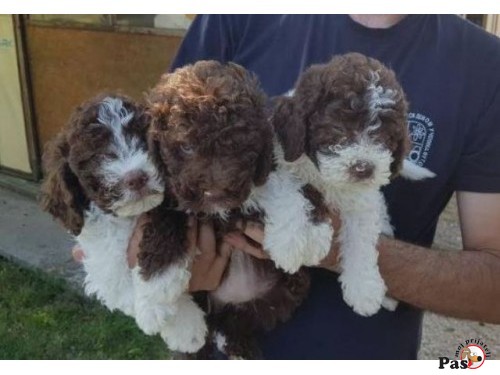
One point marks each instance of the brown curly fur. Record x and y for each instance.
(210, 133)
(164, 240)
(330, 102)
(72, 159)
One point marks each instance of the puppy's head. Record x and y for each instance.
(210, 137)
(349, 118)
(101, 157)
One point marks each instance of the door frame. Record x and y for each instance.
(27, 104)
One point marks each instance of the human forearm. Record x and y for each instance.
(463, 284)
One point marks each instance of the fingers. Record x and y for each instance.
(135, 241)
(220, 262)
(331, 261)
(239, 242)
(192, 235)
(253, 230)
(206, 240)
(78, 253)
(207, 270)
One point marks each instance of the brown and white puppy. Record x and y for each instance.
(98, 180)
(212, 142)
(344, 131)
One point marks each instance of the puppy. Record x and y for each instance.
(98, 180)
(213, 145)
(344, 131)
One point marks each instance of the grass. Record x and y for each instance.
(42, 318)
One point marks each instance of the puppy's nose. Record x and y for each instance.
(136, 180)
(362, 169)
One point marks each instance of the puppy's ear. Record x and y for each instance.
(164, 240)
(155, 153)
(61, 193)
(402, 149)
(266, 159)
(290, 128)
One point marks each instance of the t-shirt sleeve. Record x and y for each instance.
(210, 37)
(479, 165)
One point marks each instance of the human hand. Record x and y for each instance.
(209, 261)
(251, 237)
(209, 258)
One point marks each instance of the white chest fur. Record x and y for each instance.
(104, 239)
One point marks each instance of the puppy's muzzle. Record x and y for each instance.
(136, 180)
(362, 170)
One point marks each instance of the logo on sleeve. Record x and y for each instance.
(421, 130)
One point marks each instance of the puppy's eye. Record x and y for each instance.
(187, 149)
(333, 150)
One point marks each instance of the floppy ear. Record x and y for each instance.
(154, 150)
(400, 153)
(290, 128)
(266, 159)
(61, 193)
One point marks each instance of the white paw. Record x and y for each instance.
(364, 294)
(288, 261)
(389, 304)
(186, 331)
(319, 243)
(151, 319)
(125, 306)
(286, 250)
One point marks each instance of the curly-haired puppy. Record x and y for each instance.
(344, 131)
(98, 180)
(213, 144)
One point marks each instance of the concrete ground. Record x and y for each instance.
(30, 237)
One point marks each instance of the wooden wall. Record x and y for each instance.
(69, 66)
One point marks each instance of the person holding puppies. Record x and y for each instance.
(448, 69)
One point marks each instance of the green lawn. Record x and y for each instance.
(42, 318)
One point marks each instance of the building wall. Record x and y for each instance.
(13, 144)
(70, 65)
(493, 24)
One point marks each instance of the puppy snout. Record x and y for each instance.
(362, 169)
(136, 180)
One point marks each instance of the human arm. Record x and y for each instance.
(463, 284)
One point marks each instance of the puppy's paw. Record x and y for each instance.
(362, 292)
(319, 243)
(288, 261)
(124, 304)
(151, 318)
(287, 249)
(389, 304)
(185, 331)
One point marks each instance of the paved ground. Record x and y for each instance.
(30, 237)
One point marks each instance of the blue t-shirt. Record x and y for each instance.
(449, 69)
